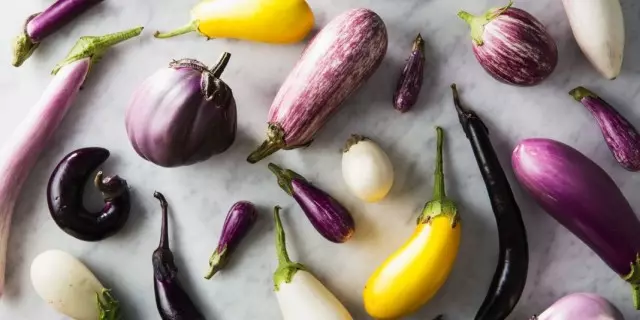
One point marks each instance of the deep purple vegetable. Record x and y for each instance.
(65, 193)
(40, 25)
(241, 217)
(512, 45)
(621, 137)
(172, 301)
(410, 81)
(332, 220)
(183, 114)
(583, 198)
(340, 58)
(22, 150)
(581, 306)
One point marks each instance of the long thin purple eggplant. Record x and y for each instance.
(40, 25)
(241, 217)
(621, 137)
(410, 82)
(332, 220)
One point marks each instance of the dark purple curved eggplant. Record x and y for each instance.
(172, 301)
(241, 217)
(332, 220)
(65, 195)
(410, 81)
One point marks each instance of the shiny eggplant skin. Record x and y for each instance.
(65, 193)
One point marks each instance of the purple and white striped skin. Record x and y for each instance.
(512, 45)
(410, 81)
(330, 218)
(22, 151)
(183, 114)
(41, 25)
(584, 199)
(581, 306)
(341, 57)
(621, 136)
(241, 217)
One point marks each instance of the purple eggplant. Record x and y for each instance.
(40, 25)
(241, 217)
(621, 137)
(583, 198)
(172, 300)
(410, 82)
(332, 220)
(183, 114)
(581, 306)
(512, 45)
(65, 193)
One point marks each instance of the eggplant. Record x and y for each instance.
(65, 192)
(584, 199)
(621, 136)
(581, 306)
(330, 218)
(241, 217)
(410, 81)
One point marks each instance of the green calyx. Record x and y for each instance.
(275, 141)
(286, 268)
(216, 262)
(477, 23)
(352, 141)
(108, 306)
(285, 176)
(192, 26)
(23, 46)
(580, 93)
(439, 205)
(94, 47)
(633, 278)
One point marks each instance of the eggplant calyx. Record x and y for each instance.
(285, 177)
(275, 141)
(352, 141)
(111, 187)
(477, 23)
(580, 93)
(23, 45)
(216, 262)
(418, 45)
(108, 306)
(210, 83)
(286, 268)
(193, 26)
(633, 278)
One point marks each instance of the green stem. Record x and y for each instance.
(191, 27)
(439, 192)
(636, 296)
(477, 23)
(633, 278)
(108, 306)
(275, 141)
(466, 16)
(216, 262)
(580, 93)
(285, 177)
(286, 268)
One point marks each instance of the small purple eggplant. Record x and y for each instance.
(581, 306)
(410, 82)
(621, 137)
(40, 25)
(332, 220)
(241, 217)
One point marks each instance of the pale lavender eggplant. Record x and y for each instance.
(621, 136)
(41, 25)
(341, 57)
(581, 306)
(584, 199)
(241, 217)
(330, 218)
(410, 81)
(512, 45)
(183, 114)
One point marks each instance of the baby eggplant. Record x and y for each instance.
(66, 189)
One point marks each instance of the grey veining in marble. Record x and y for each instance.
(200, 195)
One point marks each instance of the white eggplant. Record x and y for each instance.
(598, 26)
(366, 169)
(300, 294)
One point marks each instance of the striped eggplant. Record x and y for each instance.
(341, 57)
(410, 81)
(512, 45)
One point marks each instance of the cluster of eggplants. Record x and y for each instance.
(621, 136)
(183, 114)
(583, 198)
(512, 45)
(410, 81)
(581, 306)
(330, 218)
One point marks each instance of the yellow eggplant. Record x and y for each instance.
(272, 21)
(411, 276)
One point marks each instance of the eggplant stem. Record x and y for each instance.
(108, 306)
(286, 268)
(580, 93)
(275, 141)
(439, 192)
(164, 232)
(418, 44)
(352, 141)
(23, 45)
(633, 278)
(636, 296)
(191, 27)
(216, 262)
(218, 69)
(477, 23)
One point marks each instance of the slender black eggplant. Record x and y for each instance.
(172, 301)
(513, 260)
(65, 193)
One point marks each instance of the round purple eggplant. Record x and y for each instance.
(332, 220)
(581, 306)
(410, 81)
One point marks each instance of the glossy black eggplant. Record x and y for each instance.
(513, 260)
(172, 301)
(65, 193)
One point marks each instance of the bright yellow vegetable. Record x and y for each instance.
(272, 21)
(411, 276)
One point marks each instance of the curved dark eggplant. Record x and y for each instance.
(65, 193)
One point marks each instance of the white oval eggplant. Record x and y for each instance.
(366, 169)
(598, 26)
(70, 287)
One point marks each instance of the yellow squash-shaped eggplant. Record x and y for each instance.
(271, 21)
(411, 276)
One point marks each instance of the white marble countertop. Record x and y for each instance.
(200, 195)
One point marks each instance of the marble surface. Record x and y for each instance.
(200, 195)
